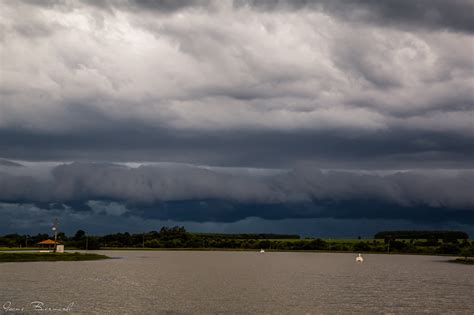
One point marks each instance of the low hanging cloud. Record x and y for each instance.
(195, 193)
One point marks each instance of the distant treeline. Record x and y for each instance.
(167, 237)
(247, 236)
(427, 235)
(178, 237)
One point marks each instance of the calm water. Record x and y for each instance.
(186, 282)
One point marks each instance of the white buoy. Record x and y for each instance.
(359, 258)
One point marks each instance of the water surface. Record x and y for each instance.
(197, 282)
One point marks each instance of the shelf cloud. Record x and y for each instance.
(207, 194)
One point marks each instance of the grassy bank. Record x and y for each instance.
(25, 257)
(17, 248)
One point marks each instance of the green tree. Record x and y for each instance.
(466, 252)
(361, 246)
(79, 235)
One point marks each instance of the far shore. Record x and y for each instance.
(32, 254)
(268, 250)
(258, 250)
(79, 250)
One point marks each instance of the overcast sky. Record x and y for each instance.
(335, 118)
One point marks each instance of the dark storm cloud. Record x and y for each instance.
(39, 221)
(225, 211)
(251, 83)
(392, 150)
(202, 194)
(431, 14)
(294, 85)
(166, 6)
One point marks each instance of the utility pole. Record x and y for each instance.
(87, 242)
(143, 245)
(55, 230)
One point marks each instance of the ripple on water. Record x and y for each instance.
(188, 282)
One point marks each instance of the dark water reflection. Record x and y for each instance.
(187, 282)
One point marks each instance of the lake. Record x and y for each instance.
(206, 282)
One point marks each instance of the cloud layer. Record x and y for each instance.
(165, 77)
(206, 194)
(274, 95)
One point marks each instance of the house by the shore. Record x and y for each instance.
(49, 244)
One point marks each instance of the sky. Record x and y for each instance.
(319, 118)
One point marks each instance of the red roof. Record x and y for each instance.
(48, 242)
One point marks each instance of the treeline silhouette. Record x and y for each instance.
(443, 235)
(441, 242)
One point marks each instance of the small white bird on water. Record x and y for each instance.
(359, 258)
(262, 251)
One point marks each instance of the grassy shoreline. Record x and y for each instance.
(8, 256)
(36, 256)
(237, 250)
(269, 250)
(16, 249)
(464, 261)
(6, 250)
